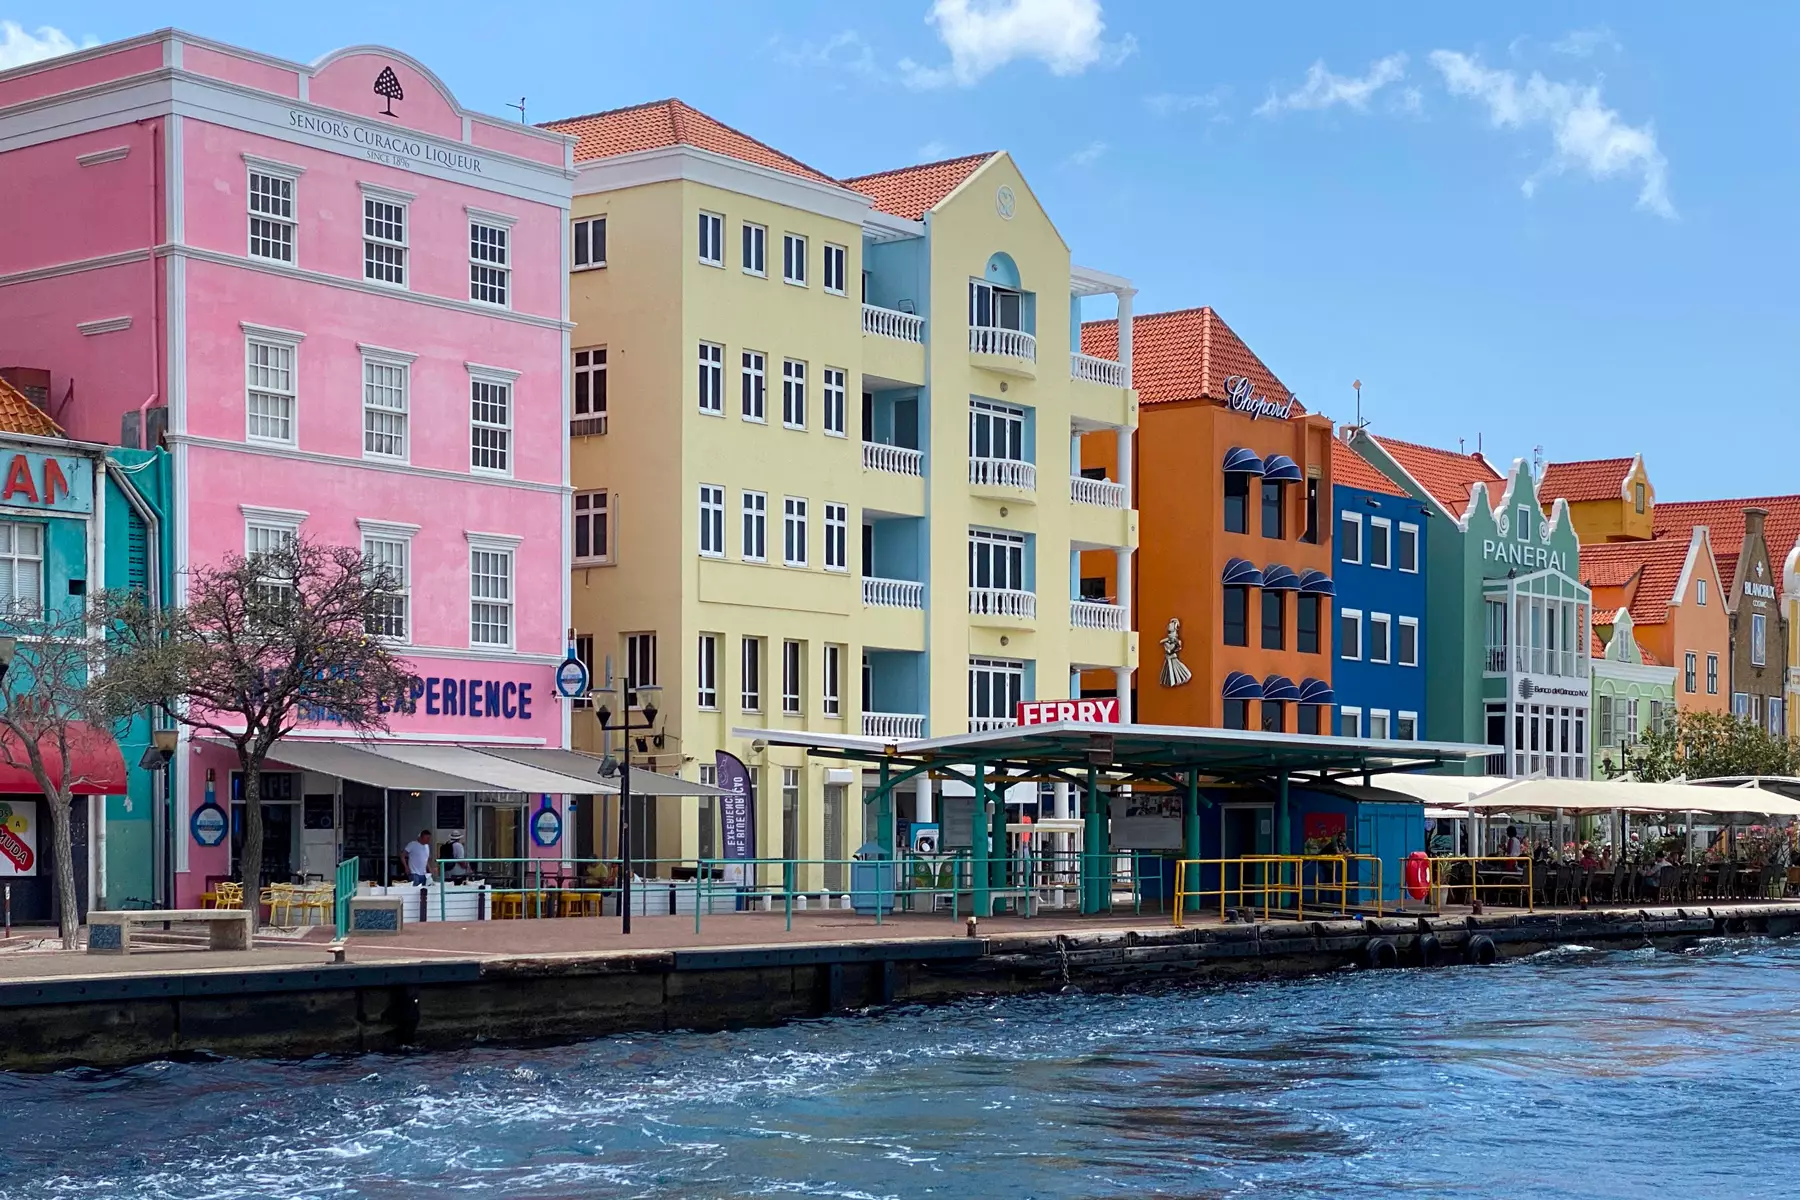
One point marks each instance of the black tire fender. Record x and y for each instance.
(1381, 953)
(1482, 951)
(1431, 951)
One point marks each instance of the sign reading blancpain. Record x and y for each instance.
(385, 145)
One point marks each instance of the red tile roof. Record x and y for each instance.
(1184, 355)
(672, 123)
(1350, 469)
(19, 415)
(1655, 565)
(911, 192)
(1724, 519)
(1449, 477)
(1593, 479)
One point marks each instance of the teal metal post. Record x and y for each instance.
(1190, 837)
(884, 813)
(1284, 834)
(982, 901)
(1092, 836)
(999, 858)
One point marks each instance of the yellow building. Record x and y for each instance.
(840, 487)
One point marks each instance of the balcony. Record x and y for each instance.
(1008, 351)
(1002, 602)
(899, 727)
(892, 593)
(1096, 614)
(895, 460)
(593, 426)
(1097, 370)
(892, 323)
(1003, 472)
(1496, 660)
(984, 724)
(1101, 493)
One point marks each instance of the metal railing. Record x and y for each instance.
(1093, 614)
(1102, 493)
(892, 593)
(1487, 880)
(590, 426)
(1007, 343)
(1285, 886)
(895, 460)
(343, 893)
(1002, 602)
(892, 323)
(1003, 472)
(985, 724)
(1496, 659)
(1096, 370)
(901, 726)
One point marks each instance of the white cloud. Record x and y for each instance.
(1322, 89)
(985, 35)
(18, 47)
(1088, 155)
(1586, 135)
(1168, 104)
(932, 151)
(1581, 43)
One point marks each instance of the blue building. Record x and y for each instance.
(1379, 672)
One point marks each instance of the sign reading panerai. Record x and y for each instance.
(1522, 554)
(1240, 396)
(1103, 710)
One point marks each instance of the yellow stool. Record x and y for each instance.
(508, 906)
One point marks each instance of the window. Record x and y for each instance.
(1408, 655)
(751, 690)
(1308, 715)
(386, 384)
(793, 531)
(490, 594)
(22, 567)
(271, 397)
(712, 239)
(1349, 633)
(790, 812)
(1350, 722)
(755, 243)
(834, 680)
(991, 307)
(1637, 497)
(265, 532)
(1274, 716)
(490, 424)
(640, 666)
(593, 532)
(793, 258)
(271, 216)
(793, 393)
(1759, 639)
(1522, 519)
(754, 545)
(706, 662)
(1378, 724)
(386, 559)
(1700, 591)
(1690, 671)
(833, 400)
(1350, 537)
(712, 520)
(1237, 714)
(384, 238)
(1311, 532)
(1237, 616)
(1381, 542)
(712, 378)
(1494, 622)
(836, 260)
(1307, 611)
(584, 654)
(996, 431)
(590, 383)
(1777, 717)
(753, 386)
(490, 262)
(1274, 623)
(1712, 674)
(1237, 502)
(996, 686)
(1409, 548)
(1274, 524)
(1406, 727)
(791, 676)
(1378, 637)
(590, 243)
(1740, 704)
(996, 560)
(837, 536)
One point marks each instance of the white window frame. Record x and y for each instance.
(794, 531)
(753, 386)
(581, 243)
(1386, 621)
(1411, 623)
(379, 358)
(752, 666)
(594, 371)
(640, 645)
(755, 243)
(399, 534)
(604, 511)
(490, 257)
(1386, 717)
(831, 681)
(989, 675)
(284, 342)
(793, 677)
(709, 359)
(833, 399)
(1700, 591)
(753, 544)
(793, 259)
(1402, 717)
(1350, 713)
(402, 203)
(842, 256)
(1381, 532)
(711, 228)
(506, 546)
(10, 560)
(712, 520)
(500, 434)
(793, 393)
(1344, 552)
(1759, 639)
(837, 535)
(277, 172)
(1408, 530)
(1347, 614)
(706, 672)
(1522, 518)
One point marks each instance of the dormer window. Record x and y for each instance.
(1637, 493)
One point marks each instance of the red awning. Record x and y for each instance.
(94, 761)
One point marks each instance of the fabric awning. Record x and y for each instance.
(353, 761)
(1243, 462)
(1277, 578)
(1316, 691)
(96, 768)
(1279, 468)
(1240, 686)
(586, 767)
(496, 774)
(1240, 572)
(1316, 583)
(1279, 687)
(1490, 794)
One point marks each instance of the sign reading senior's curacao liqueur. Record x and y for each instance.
(54, 482)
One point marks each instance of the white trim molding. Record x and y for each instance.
(278, 450)
(103, 325)
(95, 157)
(270, 166)
(488, 216)
(383, 354)
(274, 516)
(271, 333)
(492, 374)
(392, 195)
(493, 541)
(398, 530)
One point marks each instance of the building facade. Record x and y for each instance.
(1610, 499)
(339, 298)
(843, 491)
(1633, 695)
(1379, 663)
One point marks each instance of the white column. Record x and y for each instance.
(1122, 676)
(1059, 807)
(1122, 589)
(922, 798)
(1074, 452)
(1125, 296)
(1124, 463)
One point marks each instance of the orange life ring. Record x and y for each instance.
(1418, 874)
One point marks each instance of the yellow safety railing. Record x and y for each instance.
(1287, 886)
(1492, 880)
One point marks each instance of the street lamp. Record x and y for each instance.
(155, 760)
(610, 766)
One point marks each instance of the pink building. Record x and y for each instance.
(342, 296)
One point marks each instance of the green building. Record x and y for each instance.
(1633, 695)
(1506, 616)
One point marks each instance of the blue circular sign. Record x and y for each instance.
(571, 678)
(546, 825)
(208, 824)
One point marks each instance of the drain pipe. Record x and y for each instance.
(155, 295)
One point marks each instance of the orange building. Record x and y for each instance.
(1678, 609)
(1234, 500)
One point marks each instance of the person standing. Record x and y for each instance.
(418, 858)
(459, 858)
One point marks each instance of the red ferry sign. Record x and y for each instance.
(1101, 710)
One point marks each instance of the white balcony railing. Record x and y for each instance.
(1097, 370)
(984, 724)
(892, 593)
(896, 460)
(892, 323)
(1093, 614)
(587, 426)
(1003, 472)
(1002, 602)
(1007, 343)
(1103, 493)
(899, 726)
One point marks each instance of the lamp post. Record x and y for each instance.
(610, 766)
(155, 760)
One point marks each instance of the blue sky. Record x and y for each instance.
(1569, 226)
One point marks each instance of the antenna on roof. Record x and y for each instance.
(1357, 385)
(1478, 441)
(521, 107)
(1462, 446)
(1537, 461)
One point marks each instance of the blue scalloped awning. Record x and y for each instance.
(1239, 686)
(1277, 578)
(1316, 691)
(1279, 687)
(1241, 572)
(1243, 461)
(1317, 583)
(1279, 468)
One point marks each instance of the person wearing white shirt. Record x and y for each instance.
(418, 858)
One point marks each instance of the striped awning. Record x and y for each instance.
(1241, 686)
(1277, 578)
(1243, 461)
(1317, 583)
(1279, 687)
(1241, 572)
(1279, 468)
(1316, 691)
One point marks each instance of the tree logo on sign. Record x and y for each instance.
(388, 84)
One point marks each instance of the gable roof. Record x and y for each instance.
(911, 192)
(19, 415)
(664, 123)
(1449, 477)
(1590, 479)
(1724, 520)
(1654, 567)
(1350, 469)
(1184, 355)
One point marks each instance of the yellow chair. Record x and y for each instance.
(508, 906)
(228, 895)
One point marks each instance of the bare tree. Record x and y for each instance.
(57, 685)
(265, 643)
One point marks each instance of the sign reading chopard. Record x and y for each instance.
(383, 145)
(1240, 398)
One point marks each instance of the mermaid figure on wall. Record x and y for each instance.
(1174, 671)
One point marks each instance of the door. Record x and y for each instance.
(362, 818)
(318, 836)
(278, 842)
(1246, 829)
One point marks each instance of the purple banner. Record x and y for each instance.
(737, 814)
